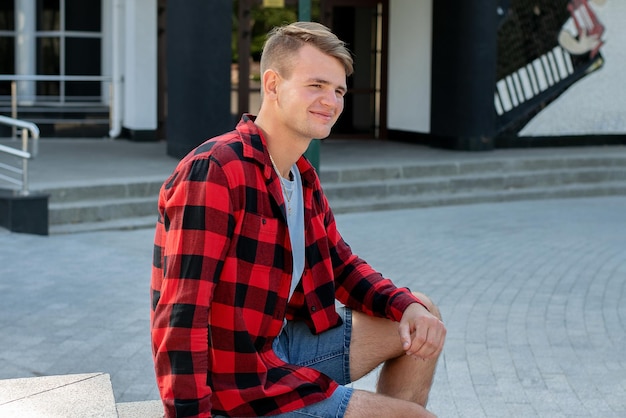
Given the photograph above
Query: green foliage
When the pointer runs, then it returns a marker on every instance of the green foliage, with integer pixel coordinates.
(263, 20)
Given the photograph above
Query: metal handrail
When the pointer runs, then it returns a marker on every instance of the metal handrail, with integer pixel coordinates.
(21, 77)
(24, 153)
(14, 78)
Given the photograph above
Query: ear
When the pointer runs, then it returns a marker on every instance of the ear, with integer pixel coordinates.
(270, 83)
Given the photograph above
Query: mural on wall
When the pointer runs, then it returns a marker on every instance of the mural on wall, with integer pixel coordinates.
(544, 46)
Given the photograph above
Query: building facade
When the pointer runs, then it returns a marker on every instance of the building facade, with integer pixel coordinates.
(66, 56)
(459, 74)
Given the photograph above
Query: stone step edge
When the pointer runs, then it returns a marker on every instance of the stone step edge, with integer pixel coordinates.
(57, 209)
(120, 190)
(426, 170)
(574, 174)
(140, 409)
(100, 210)
(390, 203)
(105, 201)
(350, 174)
(448, 199)
(566, 176)
(119, 224)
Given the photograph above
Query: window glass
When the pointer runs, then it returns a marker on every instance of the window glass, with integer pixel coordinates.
(7, 63)
(48, 53)
(73, 48)
(7, 15)
(81, 15)
(49, 15)
(82, 57)
(7, 52)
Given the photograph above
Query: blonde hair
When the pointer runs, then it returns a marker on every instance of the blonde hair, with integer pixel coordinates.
(283, 42)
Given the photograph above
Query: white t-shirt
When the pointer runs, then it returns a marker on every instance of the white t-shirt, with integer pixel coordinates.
(295, 223)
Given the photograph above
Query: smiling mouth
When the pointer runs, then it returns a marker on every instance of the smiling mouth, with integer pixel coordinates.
(323, 115)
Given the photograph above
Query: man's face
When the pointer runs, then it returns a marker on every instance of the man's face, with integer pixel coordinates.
(311, 99)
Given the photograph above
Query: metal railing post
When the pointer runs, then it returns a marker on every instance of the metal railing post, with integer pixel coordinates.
(25, 163)
(14, 107)
(111, 104)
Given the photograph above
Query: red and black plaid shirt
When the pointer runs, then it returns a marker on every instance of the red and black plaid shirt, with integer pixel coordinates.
(221, 278)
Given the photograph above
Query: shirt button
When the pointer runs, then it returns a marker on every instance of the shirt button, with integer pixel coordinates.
(313, 309)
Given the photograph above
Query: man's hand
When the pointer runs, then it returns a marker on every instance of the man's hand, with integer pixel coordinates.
(421, 332)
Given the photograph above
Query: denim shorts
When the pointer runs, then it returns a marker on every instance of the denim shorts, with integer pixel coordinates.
(329, 353)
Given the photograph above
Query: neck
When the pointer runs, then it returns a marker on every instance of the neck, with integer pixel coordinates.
(283, 149)
(286, 174)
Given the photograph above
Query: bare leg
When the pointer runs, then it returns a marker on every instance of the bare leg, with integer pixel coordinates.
(402, 378)
(373, 405)
(398, 373)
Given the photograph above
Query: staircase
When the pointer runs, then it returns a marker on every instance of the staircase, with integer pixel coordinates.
(125, 204)
(132, 203)
(466, 182)
(73, 119)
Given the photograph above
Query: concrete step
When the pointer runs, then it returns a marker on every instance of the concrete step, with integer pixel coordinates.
(113, 189)
(132, 203)
(81, 207)
(101, 210)
(416, 186)
(72, 395)
(145, 409)
(128, 223)
(463, 168)
(76, 395)
(462, 198)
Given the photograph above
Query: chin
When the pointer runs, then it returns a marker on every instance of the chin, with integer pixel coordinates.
(322, 133)
(323, 136)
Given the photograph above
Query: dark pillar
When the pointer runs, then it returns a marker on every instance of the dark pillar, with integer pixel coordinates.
(198, 72)
(464, 74)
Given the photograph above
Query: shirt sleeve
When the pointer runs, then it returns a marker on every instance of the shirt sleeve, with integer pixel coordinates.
(191, 240)
(359, 286)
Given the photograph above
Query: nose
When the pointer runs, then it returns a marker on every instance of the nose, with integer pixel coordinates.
(332, 99)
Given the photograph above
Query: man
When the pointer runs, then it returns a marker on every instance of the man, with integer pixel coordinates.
(248, 263)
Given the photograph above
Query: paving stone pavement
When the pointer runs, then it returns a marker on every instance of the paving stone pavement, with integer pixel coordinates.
(533, 295)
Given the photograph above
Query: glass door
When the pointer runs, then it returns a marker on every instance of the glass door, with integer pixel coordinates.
(69, 43)
(362, 25)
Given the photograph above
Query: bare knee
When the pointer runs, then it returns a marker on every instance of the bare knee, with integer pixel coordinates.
(374, 340)
(430, 305)
(366, 404)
